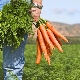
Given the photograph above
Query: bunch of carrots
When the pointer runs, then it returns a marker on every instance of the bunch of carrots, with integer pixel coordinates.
(48, 38)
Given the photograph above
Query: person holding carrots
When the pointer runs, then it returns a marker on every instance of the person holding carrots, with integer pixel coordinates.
(13, 61)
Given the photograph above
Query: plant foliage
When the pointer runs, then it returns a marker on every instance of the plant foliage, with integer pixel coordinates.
(15, 21)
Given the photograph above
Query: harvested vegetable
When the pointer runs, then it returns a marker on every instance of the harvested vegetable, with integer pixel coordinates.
(45, 35)
(39, 52)
(49, 39)
(54, 40)
(51, 27)
(15, 21)
(42, 44)
(58, 39)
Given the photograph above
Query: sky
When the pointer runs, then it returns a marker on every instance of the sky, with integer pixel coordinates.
(64, 11)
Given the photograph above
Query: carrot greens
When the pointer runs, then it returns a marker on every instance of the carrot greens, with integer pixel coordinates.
(15, 22)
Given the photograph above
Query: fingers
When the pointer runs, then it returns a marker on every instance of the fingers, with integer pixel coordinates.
(35, 13)
(36, 18)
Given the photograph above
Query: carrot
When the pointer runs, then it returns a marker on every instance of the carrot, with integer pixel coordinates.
(54, 40)
(49, 61)
(39, 52)
(45, 35)
(51, 27)
(49, 52)
(58, 39)
(42, 43)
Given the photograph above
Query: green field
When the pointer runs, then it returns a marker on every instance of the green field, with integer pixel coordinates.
(64, 66)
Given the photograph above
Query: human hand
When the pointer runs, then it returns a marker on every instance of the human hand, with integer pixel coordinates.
(35, 13)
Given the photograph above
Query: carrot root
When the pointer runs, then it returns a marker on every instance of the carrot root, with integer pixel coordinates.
(51, 27)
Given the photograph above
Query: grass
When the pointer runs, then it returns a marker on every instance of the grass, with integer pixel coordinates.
(64, 66)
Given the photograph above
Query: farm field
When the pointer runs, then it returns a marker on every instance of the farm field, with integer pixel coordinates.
(64, 66)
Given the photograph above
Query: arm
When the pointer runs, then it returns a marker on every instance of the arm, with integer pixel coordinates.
(36, 14)
(37, 1)
(36, 10)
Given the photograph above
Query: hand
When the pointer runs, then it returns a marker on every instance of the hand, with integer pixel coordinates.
(35, 13)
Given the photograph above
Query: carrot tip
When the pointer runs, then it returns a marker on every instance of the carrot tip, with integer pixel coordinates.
(68, 42)
(49, 64)
(61, 51)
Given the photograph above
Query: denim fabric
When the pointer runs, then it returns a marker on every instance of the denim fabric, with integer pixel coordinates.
(13, 61)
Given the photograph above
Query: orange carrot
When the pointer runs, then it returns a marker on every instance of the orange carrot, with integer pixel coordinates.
(49, 61)
(54, 40)
(45, 35)
(42, 43)
(51, 27)
(49, 52)
(58, 39)
(39, 52)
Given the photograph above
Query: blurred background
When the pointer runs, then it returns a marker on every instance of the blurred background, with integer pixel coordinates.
(64, 15)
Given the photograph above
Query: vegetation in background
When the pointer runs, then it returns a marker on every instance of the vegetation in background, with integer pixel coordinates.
(72, 40)
(64, 66)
